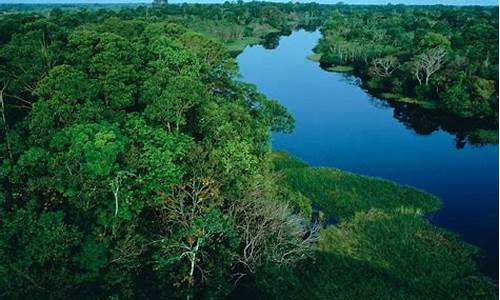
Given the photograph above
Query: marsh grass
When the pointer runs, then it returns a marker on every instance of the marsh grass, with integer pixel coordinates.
(404, 99)
(343, 194)
(238, 46)
(383, 247)
(314, 57)
(341, 69)
(484, 136)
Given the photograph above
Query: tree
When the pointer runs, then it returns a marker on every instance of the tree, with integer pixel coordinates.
(209, 52)
(433, 40)
(384, 67)
(4, 119)
(169, 106)
(457, 100)
(484, 97)
(428, 63)
(192, 229)
(422, 41)
(135, 165)
(111, 61)
(36, 250)
(271, 233)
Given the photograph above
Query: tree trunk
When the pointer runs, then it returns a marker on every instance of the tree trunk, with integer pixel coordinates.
(6, 128)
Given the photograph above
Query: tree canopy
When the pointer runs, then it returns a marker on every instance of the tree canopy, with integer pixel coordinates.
(444, 57)
(134, 164)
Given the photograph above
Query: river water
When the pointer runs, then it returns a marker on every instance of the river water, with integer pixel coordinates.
(340, 125)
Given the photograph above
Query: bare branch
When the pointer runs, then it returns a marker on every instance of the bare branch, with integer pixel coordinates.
(384, 67)
(271, 232)
(428, 63)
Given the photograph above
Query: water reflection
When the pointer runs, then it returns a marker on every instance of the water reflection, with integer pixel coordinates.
(272, 40)
(424, 121)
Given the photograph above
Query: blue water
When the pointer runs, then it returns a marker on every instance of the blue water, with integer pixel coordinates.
(339, 125)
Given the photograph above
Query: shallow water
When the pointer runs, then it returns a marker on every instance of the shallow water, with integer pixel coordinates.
(339, 125)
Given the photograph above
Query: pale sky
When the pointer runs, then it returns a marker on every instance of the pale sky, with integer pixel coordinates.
(420, 2)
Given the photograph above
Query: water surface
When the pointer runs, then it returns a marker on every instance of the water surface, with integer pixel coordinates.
(339, 125)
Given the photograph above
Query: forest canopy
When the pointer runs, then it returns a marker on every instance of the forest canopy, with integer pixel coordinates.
(134, 165)
(439, 57)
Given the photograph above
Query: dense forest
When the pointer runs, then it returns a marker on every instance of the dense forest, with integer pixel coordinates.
(136, 166)
(444, 57)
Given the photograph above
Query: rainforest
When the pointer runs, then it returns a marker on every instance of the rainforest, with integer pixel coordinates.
(204, 151)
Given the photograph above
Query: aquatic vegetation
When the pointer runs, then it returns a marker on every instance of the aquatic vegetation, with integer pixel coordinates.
(344, 194)
(383, 247)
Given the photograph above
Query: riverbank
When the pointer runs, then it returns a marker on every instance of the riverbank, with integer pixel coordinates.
(451, 68)
(383, 246)
(339, 125)
(478, 132)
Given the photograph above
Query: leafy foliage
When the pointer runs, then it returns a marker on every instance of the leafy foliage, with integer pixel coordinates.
(103, 189)
(135, 166)
(444, 54)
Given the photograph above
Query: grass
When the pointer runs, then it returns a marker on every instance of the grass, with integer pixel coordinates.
(383, 247)
(484, 136)
(341, 69)
(262, 30)
(403, 99)
(380, 255)
(240, 45)
(314, 57)
(343, 193)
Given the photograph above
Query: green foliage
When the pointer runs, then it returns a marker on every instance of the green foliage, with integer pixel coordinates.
(314, 57)
(282, 160)
(139, 168)
(36, 251)
(210, 232)
(341, 69)
(131, 143)
(484, 136)
(169, 106)
(382, 248)
(344, 194)
(93, 148)
(440, 55)
(391, 256)
(457, 100)
(433, 39)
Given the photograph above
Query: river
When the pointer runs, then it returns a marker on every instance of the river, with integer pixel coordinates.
(340, 125)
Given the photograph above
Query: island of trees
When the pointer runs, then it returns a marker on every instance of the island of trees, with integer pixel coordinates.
(134, 165)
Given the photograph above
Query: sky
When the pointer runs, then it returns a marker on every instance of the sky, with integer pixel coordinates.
(421, 2)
